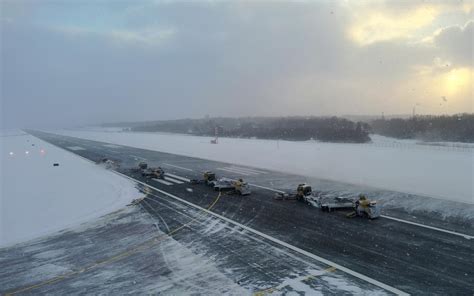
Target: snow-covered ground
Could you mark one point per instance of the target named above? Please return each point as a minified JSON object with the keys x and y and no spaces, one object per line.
{"x":405,"y":166}
{"x":378,"y":140}
{"x":38,"y":198}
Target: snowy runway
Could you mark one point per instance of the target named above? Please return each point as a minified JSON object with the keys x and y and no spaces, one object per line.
{"x":167,"y":248}
{"x":387,"y":250}
{"x":404,"y":166}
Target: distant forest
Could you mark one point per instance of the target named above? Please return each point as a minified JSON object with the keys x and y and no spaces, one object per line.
{"x":454,"y":128}
{"x":327,"y":129}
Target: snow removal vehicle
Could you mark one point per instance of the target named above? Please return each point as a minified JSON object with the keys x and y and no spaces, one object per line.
{"x":232,"y":186}
{"x":108,"y":163}
{"x":224,"y":184}
{"x":141,"y":167}
{"x":209,"y":178}
{"x":302,"y":193}
{"x":331,"y":203}
{"x":365,"y":207}
{"x":157,"y":173}
{"x":326,"y":202}
{"x":149,"y":172}
{"x":362,"y":207}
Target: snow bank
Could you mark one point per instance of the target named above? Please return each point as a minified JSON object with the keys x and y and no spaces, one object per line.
{"x":38,"y":198}
{"x":410,"y":168}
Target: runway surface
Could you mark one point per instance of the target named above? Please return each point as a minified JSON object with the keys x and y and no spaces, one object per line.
{"x":257,"y":242}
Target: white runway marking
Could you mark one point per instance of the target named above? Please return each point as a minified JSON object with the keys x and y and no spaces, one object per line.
{"x":178,"y":177}
{"x":466,"y":236}
{"x":163,"y":182}
{"x":235,"y":172}
{"x":248,"y":169}
{"x":173,"y":180}
{"x":178,"y":167}
{"x":111,"y":146}
{"x":267,"y":188}
{"x":75,"y":148}
{"x":241,"y":171}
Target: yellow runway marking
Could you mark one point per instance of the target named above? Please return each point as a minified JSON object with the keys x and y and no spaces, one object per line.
{"x":138,"y":248}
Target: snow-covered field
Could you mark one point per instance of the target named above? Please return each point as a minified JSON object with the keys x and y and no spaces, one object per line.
{"x":405,"y":166}
{"x":382,"y":141}
{"x":37,"y":198}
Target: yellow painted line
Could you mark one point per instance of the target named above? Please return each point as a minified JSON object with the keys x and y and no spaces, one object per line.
{"x":137,"y":248}
{"x":329,"y":269}
{"x":217,"y":199}
{"x":263,"y":292}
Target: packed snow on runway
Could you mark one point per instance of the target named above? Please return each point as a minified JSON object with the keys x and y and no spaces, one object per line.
{"x":443,"y":172}
{"x":38,"y":198}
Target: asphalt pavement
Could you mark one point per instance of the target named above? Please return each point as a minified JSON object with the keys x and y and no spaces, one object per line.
{"x":426,"y":255}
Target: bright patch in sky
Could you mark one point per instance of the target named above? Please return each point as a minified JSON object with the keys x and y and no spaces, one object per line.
{"x":458,"y":80}
{"x":436,"y":91}
{"x":376,"y":25}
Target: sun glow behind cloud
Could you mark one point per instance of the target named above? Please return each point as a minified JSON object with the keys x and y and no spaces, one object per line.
{"x":457,"y":80}
{"x":445,"y":86}
{"x":372,"y":26}
{"x":436,"y":91}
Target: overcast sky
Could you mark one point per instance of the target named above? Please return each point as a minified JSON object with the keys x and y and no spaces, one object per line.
{"x":78,"y":62}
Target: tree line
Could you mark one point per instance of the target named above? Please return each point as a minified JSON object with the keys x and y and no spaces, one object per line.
{"x":453,"y":128}
{"x":327,"y":129}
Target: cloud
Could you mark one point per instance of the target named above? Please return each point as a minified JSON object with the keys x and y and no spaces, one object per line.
{"x":456,"y":44}
{"x":168,"y":60}
{"x":375,"y":25}
{"x":148,"y":37}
